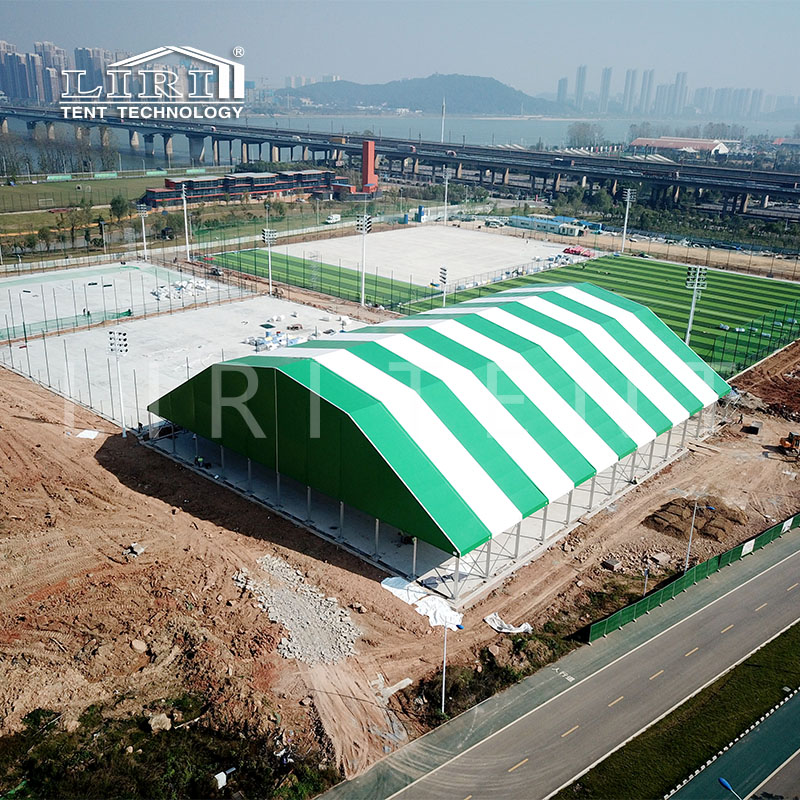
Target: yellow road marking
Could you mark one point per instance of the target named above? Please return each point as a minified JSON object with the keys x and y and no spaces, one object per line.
{"x":468,"y":797}
{"x":793,"y":586}
{"x":574,"y":728}
{"x":690,"y":652}
{"x":524,"y":760}
{"x":656,"y":675}
{"x":614,"y":702}
{"x":725,"y":630}
{"x":761,"y":606}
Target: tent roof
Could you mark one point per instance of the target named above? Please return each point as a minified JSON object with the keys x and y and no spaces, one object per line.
{"x":505,"y":402}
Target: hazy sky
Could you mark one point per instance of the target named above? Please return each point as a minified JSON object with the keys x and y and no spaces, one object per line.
{"x":528,"y":44}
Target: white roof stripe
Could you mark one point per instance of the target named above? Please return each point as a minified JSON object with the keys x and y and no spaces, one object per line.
{"x":580,"y":372}
{"x":577,"y":431}
{"x":490,"y":413}
{"x":617,"y":354}
{"x":679,"y":368}
{"x":432,"y":436}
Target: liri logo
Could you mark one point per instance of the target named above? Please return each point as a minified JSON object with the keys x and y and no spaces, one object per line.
{"x":166,"y":83}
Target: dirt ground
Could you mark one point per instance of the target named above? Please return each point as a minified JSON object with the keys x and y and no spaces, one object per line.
{"x":777,"y":382}
{"x":73,"y":602}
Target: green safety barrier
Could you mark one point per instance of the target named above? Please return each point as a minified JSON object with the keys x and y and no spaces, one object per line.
{"x":196,"y":171}
{"x":102,"y":175}
{"x":689,"y":578}
{"x":153,"y":173}
{"x":59,"y":178}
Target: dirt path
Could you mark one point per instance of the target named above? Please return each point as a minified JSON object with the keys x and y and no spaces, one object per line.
{"x":777,"y":382}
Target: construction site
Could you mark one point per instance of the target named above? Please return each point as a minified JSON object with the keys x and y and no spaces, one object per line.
{"x":278,"y":498}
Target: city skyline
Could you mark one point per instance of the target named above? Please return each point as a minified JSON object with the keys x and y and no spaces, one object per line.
{"x":704,"y":38}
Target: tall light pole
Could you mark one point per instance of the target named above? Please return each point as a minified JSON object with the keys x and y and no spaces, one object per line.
{"x":185,"y":222}
{"x":691,"y":533}
{"x":443,"y":115}
{"x":364,"y":226}
{"x":118,"y":346}
{"x":101,"y":223}
{"x":446,"y":176}
{"x":443,"y":281}
{"x":696,"y":280}
{"x":444,"y":660}
{"x":269,"y":236}
{"x":142,"y":209}
{"x":629,"y":196}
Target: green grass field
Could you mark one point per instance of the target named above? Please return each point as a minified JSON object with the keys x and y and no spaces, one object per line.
{"x":767,"y":310}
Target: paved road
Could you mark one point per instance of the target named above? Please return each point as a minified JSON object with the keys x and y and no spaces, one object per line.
{"x":766,"y":758}
{"x":541,"y":734}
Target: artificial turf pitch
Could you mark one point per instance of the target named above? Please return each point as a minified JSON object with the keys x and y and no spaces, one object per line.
{"x":765,"y":310}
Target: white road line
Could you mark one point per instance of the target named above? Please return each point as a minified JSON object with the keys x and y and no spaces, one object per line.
{"x":594,"y":674}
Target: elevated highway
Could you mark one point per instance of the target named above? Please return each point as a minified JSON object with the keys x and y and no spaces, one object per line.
{"x":536,"y":171}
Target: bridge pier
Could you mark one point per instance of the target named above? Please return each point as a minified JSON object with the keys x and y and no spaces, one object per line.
{"x":459,"y":170}
{"x":3,"y":125}
{"x":105,"y":136}
{"x":245,"y":152}
{"x":583,"y":181}
{"x":765,"y":201}
{"x":274,"y":154}
{"x":167,"y":137}
{"x":557,"y":182}
{"x":230,"y":151}
{"x":133,"y":140}
{"x":415,"y":170}
{"x":149,"y":144}
{"x":676,"y":193}
{"x":50,"y":127}
{"x":197,"y":149}
{"x":83,"y":134}
{"x":307,"y":154}
{"x":215,"y":151}
{"x":745,"y":202}
{"x":505,"y":176}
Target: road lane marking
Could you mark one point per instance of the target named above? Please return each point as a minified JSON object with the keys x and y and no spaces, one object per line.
{"x":793,"y":586}
{"x":574,"y":728}
{"x":656,"y":675}
{"x":524,"y":761}
{"x":614,"y":702}
{"x":685,"y":655}
{"x":725,"y":630}
{"x":468,"y":797}
{"x":762,"y":606}
{"x":590,"y":676}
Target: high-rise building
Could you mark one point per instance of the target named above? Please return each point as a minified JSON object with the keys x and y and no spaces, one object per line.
{"x":580,"y":86}
{"x":663,"y":101}
{"x":769,"y":104}
{"x":646,"y":95}
{"x":331,"y":78}
{"x":723,"y":102}
{"x":703,"y":99}
{"x":741,"y":102}
{"x":605,"y":90}
{"x":561,"y":94}
{"x":756,"y":103}
{"x":629,"y":95}
{"x":679,"y":96}
{"x":784,"y":102}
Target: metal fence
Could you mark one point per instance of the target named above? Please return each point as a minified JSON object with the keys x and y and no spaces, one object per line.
{"x":689,"y":578}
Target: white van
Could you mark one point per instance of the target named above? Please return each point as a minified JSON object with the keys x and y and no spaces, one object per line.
{"x":332,"y":218}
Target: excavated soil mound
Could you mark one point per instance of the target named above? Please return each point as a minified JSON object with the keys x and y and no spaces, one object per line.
{"x":675,"y":518}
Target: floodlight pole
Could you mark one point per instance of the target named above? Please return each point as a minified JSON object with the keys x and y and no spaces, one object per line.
{"x":691,"y":313}
{"x":364,"y":255}
{"x":446,"y":176}
{"x":142,"y":209}
{"x":269,"y":253}
{"x":695,"y":280}
{"x":186,"y":222}
{"x":444,"y":661}
{"x":628,"y":195}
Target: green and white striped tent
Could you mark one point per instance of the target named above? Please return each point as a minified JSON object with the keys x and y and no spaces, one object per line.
{"x":455,"y":424}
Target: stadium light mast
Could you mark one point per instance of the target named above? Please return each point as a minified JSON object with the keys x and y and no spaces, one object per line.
{"x":443,"y":116}
{"x":269,"y":236}
{"x":118,"y":347}
{"x":629,"y":196}
{"x":696,"y":280}
{"x":185,"y":222}
{"x":364,"y":226}
{"x":142,"y":209}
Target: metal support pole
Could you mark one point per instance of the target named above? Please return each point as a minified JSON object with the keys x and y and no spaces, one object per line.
{"x":517,"y":538}
{"x":341,"y":519}
{"x":544,"y":522}
{"x":377,"y":535}
{"x":613,"y":478}
{"x":683,"y":433}
{"x":249,"y":476}
{"x":488,"y":558}
{"x":88,"y":381}
{"x":278,"y":487}
{"x":699,"y":416}
{"x":308,"y":504}
{"x":457,"y":579}
{"x":592,"y":486}
{"x":444,"y":666}
{"x":414,"y":558}
{"x":650,"y":455}
{"x":110,"y":390}
{"x":121,"y":401}
{"x":669,"y":444}
{"x":66,"y":365}
{"x":691,"y":533}
{"x":633,"y":465}
{"x":569,"y":504}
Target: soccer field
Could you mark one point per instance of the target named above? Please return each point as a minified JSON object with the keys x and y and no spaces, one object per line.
{"x":765,"y":310}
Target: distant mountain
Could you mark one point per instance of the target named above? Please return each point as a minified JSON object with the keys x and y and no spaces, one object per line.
{"x":465,"y":94}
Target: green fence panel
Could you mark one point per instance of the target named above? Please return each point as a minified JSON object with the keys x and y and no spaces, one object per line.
{"x":655,"y":600}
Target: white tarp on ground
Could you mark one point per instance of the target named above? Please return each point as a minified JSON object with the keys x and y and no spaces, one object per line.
{"x":494,"y":621}
{"x":436,"y":609}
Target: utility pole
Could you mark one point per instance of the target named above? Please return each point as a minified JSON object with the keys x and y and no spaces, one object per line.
{"x":696,"y":280}
{"x":629,"y":196}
